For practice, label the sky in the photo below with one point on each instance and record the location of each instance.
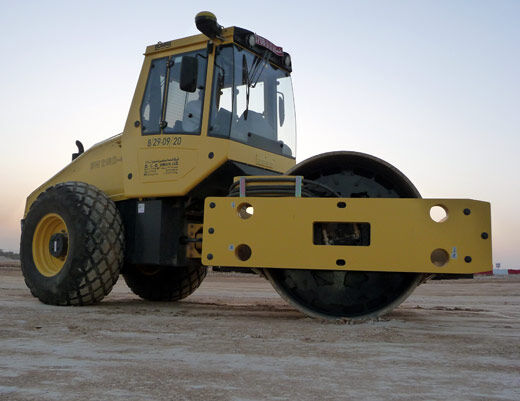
(432, 87)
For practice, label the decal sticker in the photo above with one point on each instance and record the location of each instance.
(163, 45)
(166, 141)
(454, 252)
(109, 161)
(162, 167)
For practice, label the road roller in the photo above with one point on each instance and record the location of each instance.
(205, 174)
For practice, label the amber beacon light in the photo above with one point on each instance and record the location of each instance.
(207, 23)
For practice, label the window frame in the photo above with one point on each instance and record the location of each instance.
(227, 134)
(143, 127)
(165, 93)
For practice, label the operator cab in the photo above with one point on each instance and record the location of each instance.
(251, 93)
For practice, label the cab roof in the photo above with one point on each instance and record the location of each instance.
(228, 35)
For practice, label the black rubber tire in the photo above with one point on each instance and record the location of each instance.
(159, 283)
(95, 245)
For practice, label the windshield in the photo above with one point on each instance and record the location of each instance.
(252, 102)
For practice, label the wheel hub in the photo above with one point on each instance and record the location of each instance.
(58, 245)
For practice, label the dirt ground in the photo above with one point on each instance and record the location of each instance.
(236, 339)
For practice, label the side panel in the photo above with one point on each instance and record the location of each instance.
(101, 166)
(173, 170)
(395, 234)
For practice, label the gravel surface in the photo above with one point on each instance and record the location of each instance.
(236, 339)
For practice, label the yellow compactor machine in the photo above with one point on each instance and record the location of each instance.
(204, 174)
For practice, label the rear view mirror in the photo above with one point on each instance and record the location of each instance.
(189, 73)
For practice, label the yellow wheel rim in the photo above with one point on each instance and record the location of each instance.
(45, 262)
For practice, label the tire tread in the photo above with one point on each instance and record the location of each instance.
(169, 284)
(102, 257)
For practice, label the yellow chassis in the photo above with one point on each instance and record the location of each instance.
(403, 236)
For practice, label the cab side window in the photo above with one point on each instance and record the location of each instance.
(166, 108)
(152, 105)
